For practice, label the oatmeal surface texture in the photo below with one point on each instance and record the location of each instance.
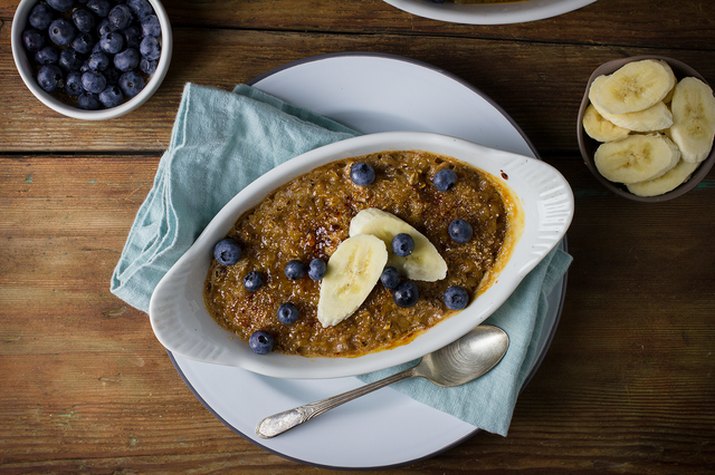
(309, 216)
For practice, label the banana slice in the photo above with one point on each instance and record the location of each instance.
(424, 263)
(353, 270)
(634, 87)
(636, 158)
(601, 129)
(673, 178)
(693, 119)
(651, 119)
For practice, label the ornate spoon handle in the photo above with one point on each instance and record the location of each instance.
(276, 424)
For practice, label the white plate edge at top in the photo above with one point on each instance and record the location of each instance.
(489, 14)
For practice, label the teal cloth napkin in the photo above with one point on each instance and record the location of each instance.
(220, 143)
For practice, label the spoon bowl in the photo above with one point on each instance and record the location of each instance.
(465, 359)
(471, 356)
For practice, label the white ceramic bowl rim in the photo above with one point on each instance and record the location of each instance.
(182, 324)
(22, 62)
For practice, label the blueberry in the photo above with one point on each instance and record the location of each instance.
(103, 27)
(406, 294)
(390, 278)
(61, 32)
(148, 67)
(403, 245)
(288, 314)
(49, 77)
(150, 48)
(444, 179)
(99, 7)
(126, 60)
(317, 269)
(227, 252)
(111, 97)
(253, 281)
(261, 342)
(88, 102)
(83, 43)
(119, 17)
(47, 55)
(460, 231)
(141, 8)
(93, 82)
(455, 297)
(41, 16)
(70, 60)
(151, 26)
(362, 174)
(294, 270)
(98, 61)
(61, 5)
(33, 40)
(73, 84)
(131, 83)
(83, 20)
(132, 36)
(112, 42)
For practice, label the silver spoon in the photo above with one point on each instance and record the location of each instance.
(463, 360)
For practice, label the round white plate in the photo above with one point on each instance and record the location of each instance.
(370, 93)
(489, 13)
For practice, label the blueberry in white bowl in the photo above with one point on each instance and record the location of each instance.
(362, 174)
(253, 281)
(444, 179)
(261, 342)
(406, 294)
(227, 252)
(456, 297)
(47, 55)
(288, 313)
(99, 37)
(317, 269)
(295, 270)
(390, 278)
(403, 244)
(460, 231)
(41, 16)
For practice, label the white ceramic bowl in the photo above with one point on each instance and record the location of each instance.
(183, 325)
(489, 13)
(24, 67)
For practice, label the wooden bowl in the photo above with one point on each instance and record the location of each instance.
(588, 146)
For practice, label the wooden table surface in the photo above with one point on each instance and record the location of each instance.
(627, 386)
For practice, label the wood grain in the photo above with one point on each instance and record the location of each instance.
(641, 23)
(539, 85)
(626, 387)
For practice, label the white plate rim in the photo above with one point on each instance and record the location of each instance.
(561, 288)
(489, 14)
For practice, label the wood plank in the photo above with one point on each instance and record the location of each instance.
(540, 85)
(626, 386)
(619, 23)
